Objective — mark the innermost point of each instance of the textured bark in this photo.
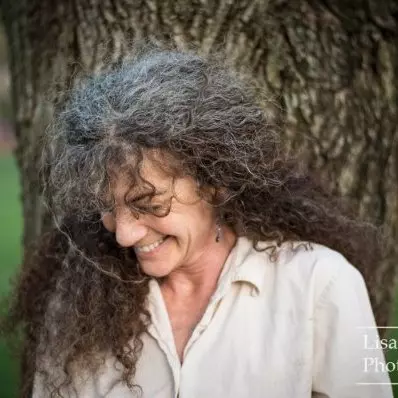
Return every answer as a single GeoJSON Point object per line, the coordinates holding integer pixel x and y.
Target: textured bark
{"type": "Point", "coordinates": [331, 65]}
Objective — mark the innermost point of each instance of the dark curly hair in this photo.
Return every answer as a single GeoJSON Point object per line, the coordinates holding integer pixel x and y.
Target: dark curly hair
{"type": "Point", "coordinates": [79, 294]}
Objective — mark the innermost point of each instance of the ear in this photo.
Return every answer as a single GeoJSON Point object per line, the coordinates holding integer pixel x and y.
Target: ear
{"type": "Point", "coordinates": [216, 196]}
{"type": "Point", "coordinates": [206, 192]}
{"type": "Point", "coordinates": [221, 195]}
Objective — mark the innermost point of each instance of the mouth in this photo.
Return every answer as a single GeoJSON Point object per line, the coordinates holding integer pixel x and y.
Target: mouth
{"type": "Point", "coordinates": [150, 248]}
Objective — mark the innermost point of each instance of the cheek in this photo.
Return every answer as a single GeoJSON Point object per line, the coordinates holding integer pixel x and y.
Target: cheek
{"type": "Point", "coordinates": [198, 219]}
{"type": "Point", "coordinates": [186, 219]}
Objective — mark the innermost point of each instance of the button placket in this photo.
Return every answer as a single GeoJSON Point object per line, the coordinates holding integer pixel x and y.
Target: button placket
{"type": "Point", "coordinates": [161, 323]}
{"type": "Point", "coordinates": [206, 319]}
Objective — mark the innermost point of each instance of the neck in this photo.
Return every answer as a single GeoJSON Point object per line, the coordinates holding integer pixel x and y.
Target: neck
{"type": "Point", "coordinates": [201, 276]}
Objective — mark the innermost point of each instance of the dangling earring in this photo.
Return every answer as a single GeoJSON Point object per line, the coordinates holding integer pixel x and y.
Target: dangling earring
{"type": "Point", "coordinates": [218, 231]}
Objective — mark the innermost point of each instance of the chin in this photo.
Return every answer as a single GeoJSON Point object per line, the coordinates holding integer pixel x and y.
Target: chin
{"type": "Point", "coordinates": [156, 272]}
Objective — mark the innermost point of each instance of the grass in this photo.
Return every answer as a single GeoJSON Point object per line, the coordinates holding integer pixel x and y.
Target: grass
{"type": "Point", "coordinates": [10, 255]}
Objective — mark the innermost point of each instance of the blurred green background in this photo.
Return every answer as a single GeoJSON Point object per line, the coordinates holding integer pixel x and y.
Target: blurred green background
{"type": "Point", "coordinates": [10, 217]}
{"type": "Point", "coordinates": [11, 229]}
{"type": "Point", "coordinates": [10, 254]}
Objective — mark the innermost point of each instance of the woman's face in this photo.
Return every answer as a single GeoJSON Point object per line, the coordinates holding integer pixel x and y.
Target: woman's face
{"type": "Point", "coordinates": [162, 244]}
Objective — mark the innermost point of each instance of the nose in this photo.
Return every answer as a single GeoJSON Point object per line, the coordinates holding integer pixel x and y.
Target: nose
{"type": "Point", "coordinates": [128, 230]}
{"type": "Point", "coordinates": [129, 233]}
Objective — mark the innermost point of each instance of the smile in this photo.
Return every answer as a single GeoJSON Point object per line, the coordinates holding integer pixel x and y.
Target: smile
{"type": "Point", "coordinates": [149, 248]}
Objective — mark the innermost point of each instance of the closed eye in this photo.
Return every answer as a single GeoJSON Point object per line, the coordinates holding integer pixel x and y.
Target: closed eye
{"type": "Point", "coordinates": [144, 197]}
{"type": "Point", "coordinates": [147, 207]}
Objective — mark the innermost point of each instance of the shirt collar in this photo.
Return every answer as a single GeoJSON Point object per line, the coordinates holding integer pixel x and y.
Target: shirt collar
{"type": "Point", "coordinates": [244, 264]}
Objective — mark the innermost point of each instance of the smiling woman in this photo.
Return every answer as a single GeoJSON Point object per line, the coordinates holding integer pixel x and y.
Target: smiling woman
{"type": "Point", "coordinates": [167, 223]}
{"type": "Point", "coordinates": [191, 256]}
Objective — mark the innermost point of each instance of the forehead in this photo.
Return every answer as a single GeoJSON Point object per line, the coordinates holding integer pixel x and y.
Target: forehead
{"type": "Point", "coordinates": [138, 177]}
{"type": "Point", "coordinates": [149, 171]}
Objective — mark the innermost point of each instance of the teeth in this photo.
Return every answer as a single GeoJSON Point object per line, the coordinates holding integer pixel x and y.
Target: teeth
{"type": "Point", "coordinates": [148, 248]}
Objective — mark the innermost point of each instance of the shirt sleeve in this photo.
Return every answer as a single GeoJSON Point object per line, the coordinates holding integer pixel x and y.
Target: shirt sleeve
{"type": "Point", "coordinates": [348, 359]}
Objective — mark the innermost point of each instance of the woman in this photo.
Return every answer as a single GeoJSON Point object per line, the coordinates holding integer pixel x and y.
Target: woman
{"type": "Point", "coordinates": [191, 256]}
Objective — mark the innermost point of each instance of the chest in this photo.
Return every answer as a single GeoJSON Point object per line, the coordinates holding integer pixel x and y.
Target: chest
{"type": "Point", "coordinates": [184, 315]}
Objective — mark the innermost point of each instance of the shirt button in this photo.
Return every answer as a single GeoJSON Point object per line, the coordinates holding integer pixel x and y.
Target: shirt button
{"type": "Point", "coordinates": [200, 328]}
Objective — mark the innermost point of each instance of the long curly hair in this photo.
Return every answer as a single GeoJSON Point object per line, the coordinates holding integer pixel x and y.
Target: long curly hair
{"type": "Point", "coordinates": [79, 294]}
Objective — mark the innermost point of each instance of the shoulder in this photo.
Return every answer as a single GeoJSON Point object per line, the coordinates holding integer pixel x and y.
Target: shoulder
{"type": "Point", "coordinates": [315, 268]}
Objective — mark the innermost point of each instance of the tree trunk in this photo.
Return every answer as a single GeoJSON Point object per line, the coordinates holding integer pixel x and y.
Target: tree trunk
{"type": "Point", "coordinates": [331, 65]}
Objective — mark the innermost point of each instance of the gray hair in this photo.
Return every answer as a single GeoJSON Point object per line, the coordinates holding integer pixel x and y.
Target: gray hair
{"type": "Point", "coordinates": [199, 110]}
{"type": "Point", "coordinates": [216, 125]}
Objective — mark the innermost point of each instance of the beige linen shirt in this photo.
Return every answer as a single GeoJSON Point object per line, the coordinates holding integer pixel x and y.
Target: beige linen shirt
{"type": "Point", "coordinates": [299, 327]}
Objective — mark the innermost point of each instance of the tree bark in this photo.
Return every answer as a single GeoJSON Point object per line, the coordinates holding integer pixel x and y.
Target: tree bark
{"type": "Point", "coordinates": [330, 65]}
